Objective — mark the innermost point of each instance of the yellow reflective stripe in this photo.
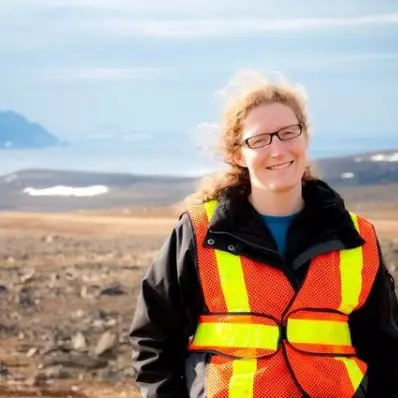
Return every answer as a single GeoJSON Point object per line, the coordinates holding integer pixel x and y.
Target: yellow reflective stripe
{"type": "Point", "coordinates": [242, 335]}
{"type": "Point", "coordinates": [231, 274]}
{"type": "Point", "coordinates": [351, 275]}
{"type": "Point", "coordinates": [232, 282]}
{"type": "Point", "coordinates": [354, 219]}
{"type": "Point", "coordinates": [241, 384]}
{"type": "Point", "coordinates": [235, 335]}
{"type": "Point", "coordinates": [318, 332]}
{"type": "Point", "coordinates": [210, 208]}
{"type": "Point", "coordinates": [354, 371]}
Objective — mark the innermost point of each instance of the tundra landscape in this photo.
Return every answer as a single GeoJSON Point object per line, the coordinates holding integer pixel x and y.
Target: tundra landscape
{"type": "Point", "coordinates": [69, 279]}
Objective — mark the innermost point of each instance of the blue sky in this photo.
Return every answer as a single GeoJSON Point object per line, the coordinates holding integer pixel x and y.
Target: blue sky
{"type": "Point", "coordinates": [123, 68]}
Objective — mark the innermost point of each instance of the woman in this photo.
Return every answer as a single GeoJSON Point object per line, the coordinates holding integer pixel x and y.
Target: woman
{"type": "Point", "coordinates": [267, 286]}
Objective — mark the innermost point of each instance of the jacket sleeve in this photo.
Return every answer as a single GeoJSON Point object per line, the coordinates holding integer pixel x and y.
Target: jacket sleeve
{"type": "Point", "coordinates": [163, 321]}
{"type": "Point", "coordinates": [374, 331]}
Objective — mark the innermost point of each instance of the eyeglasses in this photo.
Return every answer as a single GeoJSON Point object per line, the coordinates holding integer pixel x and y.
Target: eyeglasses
{"type": "Point", "coordinates": [284, 134]}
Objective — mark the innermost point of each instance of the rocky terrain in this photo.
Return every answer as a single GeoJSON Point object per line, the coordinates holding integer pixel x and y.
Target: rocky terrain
{"type": "Point", "coordinates": [68, 285]}
{"type": "Point", "coordinates": [66, 303]}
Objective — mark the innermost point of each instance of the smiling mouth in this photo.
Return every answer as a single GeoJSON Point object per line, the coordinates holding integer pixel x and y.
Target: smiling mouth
{"type": "Point", "coordinates": [280, 166]}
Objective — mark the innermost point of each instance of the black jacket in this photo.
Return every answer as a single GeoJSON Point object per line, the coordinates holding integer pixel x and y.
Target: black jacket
{"type": "Point", "coordinates": [170, 298]}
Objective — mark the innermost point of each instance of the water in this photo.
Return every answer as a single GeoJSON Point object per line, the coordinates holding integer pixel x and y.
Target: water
{"type": "Point", "coordinates": [162, 156]}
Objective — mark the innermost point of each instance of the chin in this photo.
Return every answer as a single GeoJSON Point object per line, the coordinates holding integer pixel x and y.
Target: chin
{"type": "Point", "coordinates": [282, 187]}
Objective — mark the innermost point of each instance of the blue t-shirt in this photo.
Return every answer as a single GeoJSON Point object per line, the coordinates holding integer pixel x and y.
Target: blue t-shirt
{"type": "Point", "coordinates": [278, 225]}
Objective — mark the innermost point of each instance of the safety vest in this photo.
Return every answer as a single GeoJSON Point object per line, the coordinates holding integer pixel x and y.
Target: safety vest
{"type": "Point", "coordinates": [268, 340]}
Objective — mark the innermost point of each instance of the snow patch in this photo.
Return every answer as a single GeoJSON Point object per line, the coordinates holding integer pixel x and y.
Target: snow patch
{"type": "Point", "coordinates": [62, 190]}
{"type": "Point", "coordinates": [391, 157]}
{"type": "Point", "coordinates": [347, 175]}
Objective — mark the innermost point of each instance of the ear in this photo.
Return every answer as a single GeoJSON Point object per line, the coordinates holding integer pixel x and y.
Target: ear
{"type": "Point", "coordinates": [239, 159]}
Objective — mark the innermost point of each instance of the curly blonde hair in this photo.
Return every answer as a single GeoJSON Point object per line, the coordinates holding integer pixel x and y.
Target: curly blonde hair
{"type": "Point", "coordinates": [236, 176]}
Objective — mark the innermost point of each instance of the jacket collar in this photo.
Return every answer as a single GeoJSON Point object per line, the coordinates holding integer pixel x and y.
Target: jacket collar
{"type": "Point", "coordinates": [323, 217]}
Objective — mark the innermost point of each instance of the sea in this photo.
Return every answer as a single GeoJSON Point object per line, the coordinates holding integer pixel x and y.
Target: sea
{"type": "Point", "coordinates": [165, 155]}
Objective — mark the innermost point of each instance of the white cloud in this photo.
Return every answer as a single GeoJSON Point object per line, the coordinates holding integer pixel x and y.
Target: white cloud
{"type": "Point", "coordinates": [218, 27]}
{"type": "Point", "coordinates": [175, 6]}
{"type": "Point", "coordinates": [150, 7]}
{"type": "Point", "coordinates": [365, 57]}
{"type": "Point", "coordinates": [94, 73]}
{"type": "Point", "coordinates": [178, 18]}
{"type": "Point", "coordinates": [328, 61]}
{"type": "Point", "coordinates": [270, 8]}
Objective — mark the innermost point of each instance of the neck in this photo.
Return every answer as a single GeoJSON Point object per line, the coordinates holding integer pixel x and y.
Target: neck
{"type": "Point", "coordinates": [277, 203]}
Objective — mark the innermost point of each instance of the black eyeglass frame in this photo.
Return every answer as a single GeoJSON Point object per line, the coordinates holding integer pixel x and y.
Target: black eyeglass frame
{"type": "Point", "coordinates": [271, 135]}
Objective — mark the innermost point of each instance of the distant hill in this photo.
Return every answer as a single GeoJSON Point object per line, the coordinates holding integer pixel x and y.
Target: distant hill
{"type": "Point", "coordinates": [17, 132]}
{"type": "Point", "coordinates": [122, 190]}
{"type": "Point", "coordinates": [371, 168]}
{"type": "Point", "coordinates": [371, 177]}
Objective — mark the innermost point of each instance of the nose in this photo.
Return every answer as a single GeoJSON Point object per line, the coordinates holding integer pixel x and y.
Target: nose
{"type": "Point", "coordinates": [276, 147]}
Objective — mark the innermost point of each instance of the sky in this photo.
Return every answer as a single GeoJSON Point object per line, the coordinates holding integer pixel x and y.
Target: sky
{"type": "Point", "coordinates": [125, 68]}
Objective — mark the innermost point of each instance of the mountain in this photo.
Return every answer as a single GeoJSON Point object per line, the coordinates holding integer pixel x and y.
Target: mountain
{"type": "Point", "coordinates": [17, 132]}
{"type": "Point", "coordinates": [370, 177]}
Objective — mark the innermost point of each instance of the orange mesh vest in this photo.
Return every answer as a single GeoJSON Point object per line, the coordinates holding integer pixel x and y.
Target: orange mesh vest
{"type": "Point", "coordinates": [266, 339]}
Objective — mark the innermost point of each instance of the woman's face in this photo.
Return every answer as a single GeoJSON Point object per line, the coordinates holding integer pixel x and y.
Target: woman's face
{"type": "Point", "coordinates": [278, 166]}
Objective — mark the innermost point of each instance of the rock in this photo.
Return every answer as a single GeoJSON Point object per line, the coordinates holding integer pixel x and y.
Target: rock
{"type": "Point", "coordinates": [10, 260]}
{"type": "Point", "coordinates": [33, 351]}
{"type": "Point", "coordinates": [26, 299]}
{"type": "Point", "coordinates": [70, 275]}
{"type": "Point", "coordinates": [110, 322]}
{"type": "Point", "coordinates": [83, 292]}
{"type": "Point", "coordinates": [127, 372]}
{"type": "Point", "coordinates": [75, 360]}
{"type": "Point", "coordinates": [78, 314]}
{"type": "Point", "coordinates": [113, 290]}
{"type": "Point", "coordinates": [110, 375]}
{"type": "Point", "coordinates": [53, 280]}
{"type": "Point", "coordinates": [72, 290]}
{"type": "Point", "coordinates": [27, 277]}
{"type": "Point", "coordinates": [101, 314]}
{"type": "Point", "coordinates": [57, 372]}
{"type": "Point", "coordinates": [51, 347]}
{"type": "Point", "coordinates": [79, 343]}
{"type": "Point", "coordinates": [39, 380]}
{"type": "Point", "coordinates": [3, 288]}
{"type": "Point", "coordinates": [107, 342]}
{"type": "Point", "coordinates": [23, 348]}
{"type": "Point", "coordinates": [89, 291]}
{"type": "Point", "coordinates": [15, 316]}
{"type": "Point", "coordinates": [99, 324]}
{"type": "Point", "coordinates": [124, 339]}
{"type": "Point", "coordinates": [4, 371]}
{"type": "Point", "coordinates": [47, 239]}
{"type": "Point", "coordinates": [8, 329]}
